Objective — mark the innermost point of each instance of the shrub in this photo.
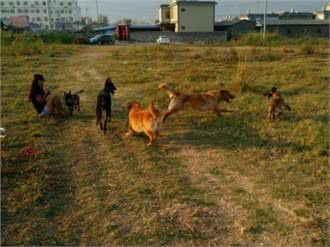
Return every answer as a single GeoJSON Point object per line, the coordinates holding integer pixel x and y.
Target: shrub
{"type": "Point", "coordinates": [244, 78]}
{"type": "Point", "coordinates": [307, 49]}
{"type": "Point", "coordinates": [27, 44]}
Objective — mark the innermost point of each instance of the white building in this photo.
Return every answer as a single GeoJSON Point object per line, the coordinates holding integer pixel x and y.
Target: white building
{"type": "Point", "coordinates": [49, 14]}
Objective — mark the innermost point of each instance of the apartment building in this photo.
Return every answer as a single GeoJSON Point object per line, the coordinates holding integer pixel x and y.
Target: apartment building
{"type": "Point", "coordinates": [188, 16]}
{"type": "Point", "coordinates": [48, 14]}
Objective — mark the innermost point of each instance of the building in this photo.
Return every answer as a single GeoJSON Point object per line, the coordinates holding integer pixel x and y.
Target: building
{"type": "Point", "coordinates": [235, 28]}
{"type": "Point", "coordinates": [188, 16]}
{"type": "Point", "coordinates": [48, 14]}
{"type": "Point", "coordinates": [324, 14]}
{"type": "Point", "coordinates": [259, 17]}
{"type": "Point", "coordinates": [300, 28]}
{"type": "Point", "coordinates": [297, 15]}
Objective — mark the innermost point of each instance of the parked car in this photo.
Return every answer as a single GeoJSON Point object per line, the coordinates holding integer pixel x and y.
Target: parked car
{"type": "Point", "coordinates": [103, 39]}
{"type": "Point", "coordinates": [163, 40]}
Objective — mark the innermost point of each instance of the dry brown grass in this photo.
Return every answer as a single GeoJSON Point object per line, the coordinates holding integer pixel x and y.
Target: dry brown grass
{"type": "Point", "coordinates": [235, 180]}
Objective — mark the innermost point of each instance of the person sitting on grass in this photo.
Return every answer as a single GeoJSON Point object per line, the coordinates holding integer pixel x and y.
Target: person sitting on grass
{"type": "Point", "coordinates": [43, 101]}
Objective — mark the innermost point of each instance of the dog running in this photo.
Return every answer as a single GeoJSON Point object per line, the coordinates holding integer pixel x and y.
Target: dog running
{"type": "Point", "coordinates": [104, 104]}
{"type": "Point", "coordinates": [147, 121]}
{"type": "Point", "coordinates": [276, 102]}
{"type": "Point", "coordinates": [204, 101]}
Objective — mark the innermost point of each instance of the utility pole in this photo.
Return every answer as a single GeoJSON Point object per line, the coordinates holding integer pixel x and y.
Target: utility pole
{"type": "Point", "coordinates": [265, 20]}
{"type": "Point", "coordinates": [97, 9]}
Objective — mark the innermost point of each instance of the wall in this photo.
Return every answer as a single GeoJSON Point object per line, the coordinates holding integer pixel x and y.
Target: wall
{"type": "Point", "coordinates": [301, 30]}
{"type": "Point", "coordinates": [196, 17]}
{"type": "Point", "coordinates": [152, 36]}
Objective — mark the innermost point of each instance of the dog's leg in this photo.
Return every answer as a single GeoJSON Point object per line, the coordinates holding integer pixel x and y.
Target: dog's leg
{"type": "Point", "coordinates": [217, 111]}
{"type": "Point", "coordinates": [169, 113]}
{"type": "Point", "coordinates": [130, 131]}
{"type": "Point", "coordinates": [151, 137]}
{"type": "Point", "coordinates": [105, 122]}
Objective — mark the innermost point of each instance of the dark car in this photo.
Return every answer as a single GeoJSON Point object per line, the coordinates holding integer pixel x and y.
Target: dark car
{"type": "Point", "coordinates": [102, 39]}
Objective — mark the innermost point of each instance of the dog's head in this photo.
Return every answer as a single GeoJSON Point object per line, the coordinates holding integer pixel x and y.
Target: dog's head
{"type": "Point", "coordinates": [109, 86]}
{"type": "Point", "coordinates": [69, 101]}
{"type": "Point", "coordinates": [270, 92]}
{"type": "Point", "coordinates": [226, 95]}
{"type": "Point", "coordinates": [133, 104]}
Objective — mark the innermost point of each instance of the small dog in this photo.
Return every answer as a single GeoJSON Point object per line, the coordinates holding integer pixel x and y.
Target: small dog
{"type": "Point", "coordinates": [208, 100]}
{"type": "Point", "coordinates": [276, 102]}
{"type": "Point", "coordinates": [3, 133]}
{"type": "Point", "coordinates": [104, 104]}
{"type": "Point", "coordinates": [72, 101]}
{"type": "Point", "coordinates": [147, 121]}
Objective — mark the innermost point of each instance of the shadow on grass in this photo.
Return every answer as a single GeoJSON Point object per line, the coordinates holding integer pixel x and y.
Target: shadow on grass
{"type": "Point", "coordinates": [227, 132]}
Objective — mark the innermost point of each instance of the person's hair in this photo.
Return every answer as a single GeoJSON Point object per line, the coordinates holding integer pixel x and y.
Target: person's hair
{"type": "Point", "coordinates": [35, 85]}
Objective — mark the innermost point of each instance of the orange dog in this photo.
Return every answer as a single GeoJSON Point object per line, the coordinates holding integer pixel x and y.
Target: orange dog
{"type": "Point", "coordinates": [147, 121]}
{"type": "Point", "coordinates": [208, 100]}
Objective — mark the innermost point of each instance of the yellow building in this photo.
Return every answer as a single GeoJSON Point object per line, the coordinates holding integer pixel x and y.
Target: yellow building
{"type": "Point", "coordinates": [189, 16]}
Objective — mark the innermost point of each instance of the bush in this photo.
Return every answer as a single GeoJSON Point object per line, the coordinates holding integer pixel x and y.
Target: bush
{"type": "Point", "coordinates": [26, 44]}
{"type": "Point", "coordinates": [307, 49]}
{"type": "Point", "coordinates": [244, 78]}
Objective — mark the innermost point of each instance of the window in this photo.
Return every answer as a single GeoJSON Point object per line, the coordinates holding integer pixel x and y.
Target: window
{"type": "Point", "coordinates": [61, 3]}
{"type": "Point", "coordinates": [19, 11]}
{"type": "Point", "coordinates": [18, 3]}
{"type": "Point", "coordinates": [12, 11]}
{"type": "Point", "coordinates": [70, 11]}
{"type": "Point", "coordinates": [62, 11]}
{"type": "Point", "coordinates": [32, 11]}
{"type": "Point", "coordinates": [45, 11]}
{"type": "Point", "coordinates": [11, 3]}
{"type": "Point", "coordinates": [37, 11]}
{"type": "Point", "coordinates": [2, 3]}
{"type": "Point", "coordinates": [37, 3]}
{"type": "Point", "coordinates": [63, 19]}
{"type": "Point", "coordinates": [69, 3]}
{"type": "Point", "coordinates": [44, 3]}
{"type": "Point", "coordinates": [38, 19]}
{"type": "Point", "coordinates": [46, 19]}
{"type": "Point", "coordinates": [71, 19]}
{"type": "Point", "coordinates": [25, 3]}
{"type": "Point", "coordinates": [26, 11]}
{"type": "Point", "coordinates": [33, 19]}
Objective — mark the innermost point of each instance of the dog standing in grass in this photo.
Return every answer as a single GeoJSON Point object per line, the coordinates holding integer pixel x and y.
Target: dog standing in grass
{"type": "Point", "coordinates": [72, 101]}
{"type": "Point", "coordinates": [147, 121]}
{"type": "Point", "coordinates": [276, 102]}
{"type": "Point", "coordinates": [205, 101]}
{"type": "Point", "coordinates": [104, 104]}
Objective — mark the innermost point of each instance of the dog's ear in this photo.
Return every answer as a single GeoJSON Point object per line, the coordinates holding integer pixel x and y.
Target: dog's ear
{"type": "Point", "coordinates": [274, 89]}
{"type": "Point", "coordinates": [129, 105]}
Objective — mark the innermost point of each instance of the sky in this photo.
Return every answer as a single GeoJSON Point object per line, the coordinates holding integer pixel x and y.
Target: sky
{"type": "Point", "coordinates": [146, 11]}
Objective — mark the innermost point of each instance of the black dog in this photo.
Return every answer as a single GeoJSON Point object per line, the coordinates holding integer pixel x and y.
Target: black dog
{"type": "Point", "coordinates": [72, 101]}
{"type": "Point", "coordinates": [104, 104]}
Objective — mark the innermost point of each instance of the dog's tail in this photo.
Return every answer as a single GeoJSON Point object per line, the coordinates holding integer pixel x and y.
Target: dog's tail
{"type": "Point", "coordinates": [79, 92]}
{"type": "Point", "coordinates": [154, 112]}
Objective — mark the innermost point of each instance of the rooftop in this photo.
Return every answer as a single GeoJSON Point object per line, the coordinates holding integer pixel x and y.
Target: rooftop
{"type": "Point", "coordinates": [297, 22]}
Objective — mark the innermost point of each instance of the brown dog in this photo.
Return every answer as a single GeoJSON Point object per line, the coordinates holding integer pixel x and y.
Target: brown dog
{"type": "Point", "coordinates": [276, 102]}
{"type": "Point", "coordinates": [204, 101]}
{"type": "Point", "coordinates": [147, 121]}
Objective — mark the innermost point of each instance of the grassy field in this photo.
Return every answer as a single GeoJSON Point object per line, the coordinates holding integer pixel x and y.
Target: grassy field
{"type": "Point", "coordinates": [235, 180]}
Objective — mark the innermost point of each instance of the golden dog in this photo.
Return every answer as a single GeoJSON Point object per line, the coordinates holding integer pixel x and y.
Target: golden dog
{"type": "Point", "coordinates": [204, 101]}
{"type": "Point", "coordinates": [147, 121]}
